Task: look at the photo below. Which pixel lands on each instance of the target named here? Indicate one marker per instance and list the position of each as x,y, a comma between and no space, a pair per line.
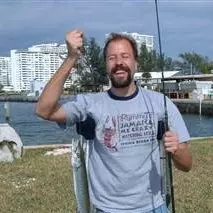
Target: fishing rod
170,201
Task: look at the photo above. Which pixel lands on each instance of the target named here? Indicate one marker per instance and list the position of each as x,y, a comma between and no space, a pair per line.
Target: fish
80,175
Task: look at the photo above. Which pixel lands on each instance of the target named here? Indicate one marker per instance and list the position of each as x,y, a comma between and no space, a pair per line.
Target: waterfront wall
18,98
23,98
193,106
189,106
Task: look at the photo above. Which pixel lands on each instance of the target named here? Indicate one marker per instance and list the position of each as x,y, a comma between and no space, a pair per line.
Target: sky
185,26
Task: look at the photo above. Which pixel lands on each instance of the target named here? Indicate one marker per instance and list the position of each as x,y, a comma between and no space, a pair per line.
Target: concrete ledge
191,106
70,145
201,138
192,101
48,146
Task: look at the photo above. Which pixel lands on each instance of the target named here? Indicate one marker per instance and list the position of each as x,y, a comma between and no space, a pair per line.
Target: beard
120,83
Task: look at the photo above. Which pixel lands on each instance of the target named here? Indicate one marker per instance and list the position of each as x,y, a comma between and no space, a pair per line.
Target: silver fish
80,175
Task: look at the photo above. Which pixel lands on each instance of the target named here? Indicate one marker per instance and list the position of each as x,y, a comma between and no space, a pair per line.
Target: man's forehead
122,41
119,45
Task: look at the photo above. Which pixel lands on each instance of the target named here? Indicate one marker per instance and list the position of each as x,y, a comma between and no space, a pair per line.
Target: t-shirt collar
121,98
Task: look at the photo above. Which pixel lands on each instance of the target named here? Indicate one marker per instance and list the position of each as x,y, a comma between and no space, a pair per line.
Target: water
32,129
35,131
199,126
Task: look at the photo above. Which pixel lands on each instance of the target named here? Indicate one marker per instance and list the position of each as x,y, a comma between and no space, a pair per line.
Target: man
124,162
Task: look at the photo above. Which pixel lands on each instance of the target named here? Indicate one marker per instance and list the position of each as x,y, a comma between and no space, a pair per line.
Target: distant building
37,62
41,62
8,89
140,39
156,77
36,87
178,86
205,87
5,71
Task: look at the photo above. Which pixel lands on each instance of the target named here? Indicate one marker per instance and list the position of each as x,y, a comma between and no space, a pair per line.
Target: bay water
36,131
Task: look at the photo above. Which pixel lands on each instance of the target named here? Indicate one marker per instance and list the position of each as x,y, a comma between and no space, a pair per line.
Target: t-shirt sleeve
75,111
176,122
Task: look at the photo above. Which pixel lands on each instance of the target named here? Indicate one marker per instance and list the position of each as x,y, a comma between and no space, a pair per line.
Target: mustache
120,67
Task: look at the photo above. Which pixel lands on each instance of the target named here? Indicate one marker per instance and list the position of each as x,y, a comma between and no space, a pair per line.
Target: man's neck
124,92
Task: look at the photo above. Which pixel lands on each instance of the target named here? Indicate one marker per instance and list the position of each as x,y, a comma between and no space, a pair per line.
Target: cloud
184,24
187,26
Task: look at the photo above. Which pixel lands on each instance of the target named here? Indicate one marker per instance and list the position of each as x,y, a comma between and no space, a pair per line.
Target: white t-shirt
124,162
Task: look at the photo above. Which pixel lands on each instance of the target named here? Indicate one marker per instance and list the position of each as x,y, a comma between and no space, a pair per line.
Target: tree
150,61
195,62
146,62
168,63
92,67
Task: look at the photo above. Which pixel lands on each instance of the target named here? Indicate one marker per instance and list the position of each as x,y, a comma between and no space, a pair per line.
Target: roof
206,77
158,75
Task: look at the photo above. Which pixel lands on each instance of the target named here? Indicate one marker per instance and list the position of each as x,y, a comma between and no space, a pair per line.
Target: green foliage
168,64
147,60
93,75
92,67
146,75
196,62
150,61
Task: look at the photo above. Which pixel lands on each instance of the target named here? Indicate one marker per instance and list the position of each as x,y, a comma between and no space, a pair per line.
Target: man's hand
171,141
74,41
181,155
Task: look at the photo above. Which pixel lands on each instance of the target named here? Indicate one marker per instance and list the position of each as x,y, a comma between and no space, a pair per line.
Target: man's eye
111,58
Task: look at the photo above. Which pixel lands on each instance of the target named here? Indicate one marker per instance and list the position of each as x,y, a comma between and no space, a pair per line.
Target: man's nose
119,60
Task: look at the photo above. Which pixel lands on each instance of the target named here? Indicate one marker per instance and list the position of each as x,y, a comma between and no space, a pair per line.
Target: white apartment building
5,71
38,62
140,39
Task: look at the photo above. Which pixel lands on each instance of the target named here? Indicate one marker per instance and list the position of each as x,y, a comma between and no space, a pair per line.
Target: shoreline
41,146
189,106
70,145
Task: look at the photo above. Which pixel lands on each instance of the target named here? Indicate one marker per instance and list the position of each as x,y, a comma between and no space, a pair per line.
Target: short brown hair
120,36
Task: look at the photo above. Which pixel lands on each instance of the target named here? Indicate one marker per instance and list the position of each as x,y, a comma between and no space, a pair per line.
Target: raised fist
74,41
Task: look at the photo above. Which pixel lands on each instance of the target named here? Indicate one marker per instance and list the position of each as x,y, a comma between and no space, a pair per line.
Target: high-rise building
140,39
5,71
38,62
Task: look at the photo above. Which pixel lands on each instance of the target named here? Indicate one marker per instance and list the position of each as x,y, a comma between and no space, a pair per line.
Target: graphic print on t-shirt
136,129
109,132
128,130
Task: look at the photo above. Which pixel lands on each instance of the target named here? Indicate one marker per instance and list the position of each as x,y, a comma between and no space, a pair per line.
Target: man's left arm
177,138
180,152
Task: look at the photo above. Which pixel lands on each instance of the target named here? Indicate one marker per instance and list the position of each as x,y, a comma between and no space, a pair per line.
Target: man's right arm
48,106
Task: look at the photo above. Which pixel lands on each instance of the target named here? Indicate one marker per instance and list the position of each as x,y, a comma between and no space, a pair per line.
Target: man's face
120,63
